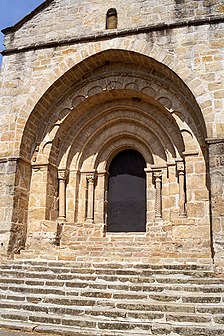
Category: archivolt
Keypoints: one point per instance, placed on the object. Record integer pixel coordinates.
(132, 74)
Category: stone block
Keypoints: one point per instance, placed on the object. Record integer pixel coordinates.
(190, 232)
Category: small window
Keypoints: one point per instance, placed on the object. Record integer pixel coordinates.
(111, 20)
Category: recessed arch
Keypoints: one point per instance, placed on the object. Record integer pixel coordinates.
(42, 107)
(101, 108)
(116, 145)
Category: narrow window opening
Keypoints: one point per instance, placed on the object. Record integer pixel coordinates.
(111, 19)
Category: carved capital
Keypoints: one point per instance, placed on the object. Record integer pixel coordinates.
(90, 179)
(180, 167)
(157, 175)
(62, 174)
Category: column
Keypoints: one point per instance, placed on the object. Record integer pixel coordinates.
(158, 202)
(150, 197)
(181, 179)
(62, 176)
(90, 198)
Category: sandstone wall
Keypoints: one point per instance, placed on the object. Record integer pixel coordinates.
(65, 19)
(192, 51)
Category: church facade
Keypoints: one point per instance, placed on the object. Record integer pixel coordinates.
(112, 123)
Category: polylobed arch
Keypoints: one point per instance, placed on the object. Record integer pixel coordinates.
(74, 112)
(44, 105)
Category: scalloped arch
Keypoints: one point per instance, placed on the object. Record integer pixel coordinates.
(43, 95)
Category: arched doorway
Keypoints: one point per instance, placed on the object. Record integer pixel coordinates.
(127, 193)
(67, 182)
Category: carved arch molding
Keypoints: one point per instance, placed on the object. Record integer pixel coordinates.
(117, 104)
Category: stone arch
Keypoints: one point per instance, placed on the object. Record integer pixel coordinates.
(118, 144)
(43, 95)
(70, 128)
(110, 148)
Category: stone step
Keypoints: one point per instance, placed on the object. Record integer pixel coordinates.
(82, 317)
(178, 330)
(120, 276)
(168, 312)
(106, 303)
(57, 264)
(44, 329)
(80, 284)
(113, 295)
(113, 314)
(122, 280)
(107, 270)
(117, 326)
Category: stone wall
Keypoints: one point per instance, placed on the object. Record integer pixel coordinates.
(41, 85)
(62, 19)
(216, 152)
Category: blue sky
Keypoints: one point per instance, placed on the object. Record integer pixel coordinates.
(11, 11)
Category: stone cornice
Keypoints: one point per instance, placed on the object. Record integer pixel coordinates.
(212, 141)
(116, 33)
(14, 158)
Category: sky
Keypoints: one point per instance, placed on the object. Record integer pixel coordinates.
(12, 11)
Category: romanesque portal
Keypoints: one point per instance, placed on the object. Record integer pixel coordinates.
(112, 168)
(112, 127)
(112, 103)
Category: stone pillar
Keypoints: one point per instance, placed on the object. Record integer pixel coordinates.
(62, 176)
(15, 175)
(158, 201)
(150, 198)
(216, 169)
(181, 179)
(90, 198)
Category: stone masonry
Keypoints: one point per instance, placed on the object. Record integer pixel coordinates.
(74, 93)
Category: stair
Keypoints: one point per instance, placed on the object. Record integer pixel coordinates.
(80, 298)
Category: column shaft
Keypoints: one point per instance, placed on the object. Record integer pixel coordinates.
(158, 202)
(181, 177)
(62, 194)
(90, 198)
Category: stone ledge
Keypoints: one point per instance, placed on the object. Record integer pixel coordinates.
(212, 141)
(216, 19)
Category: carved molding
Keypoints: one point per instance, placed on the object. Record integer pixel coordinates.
(90, 179)
(180, 167)
(62, 174)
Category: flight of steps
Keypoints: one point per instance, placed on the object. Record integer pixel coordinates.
(92, 299)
